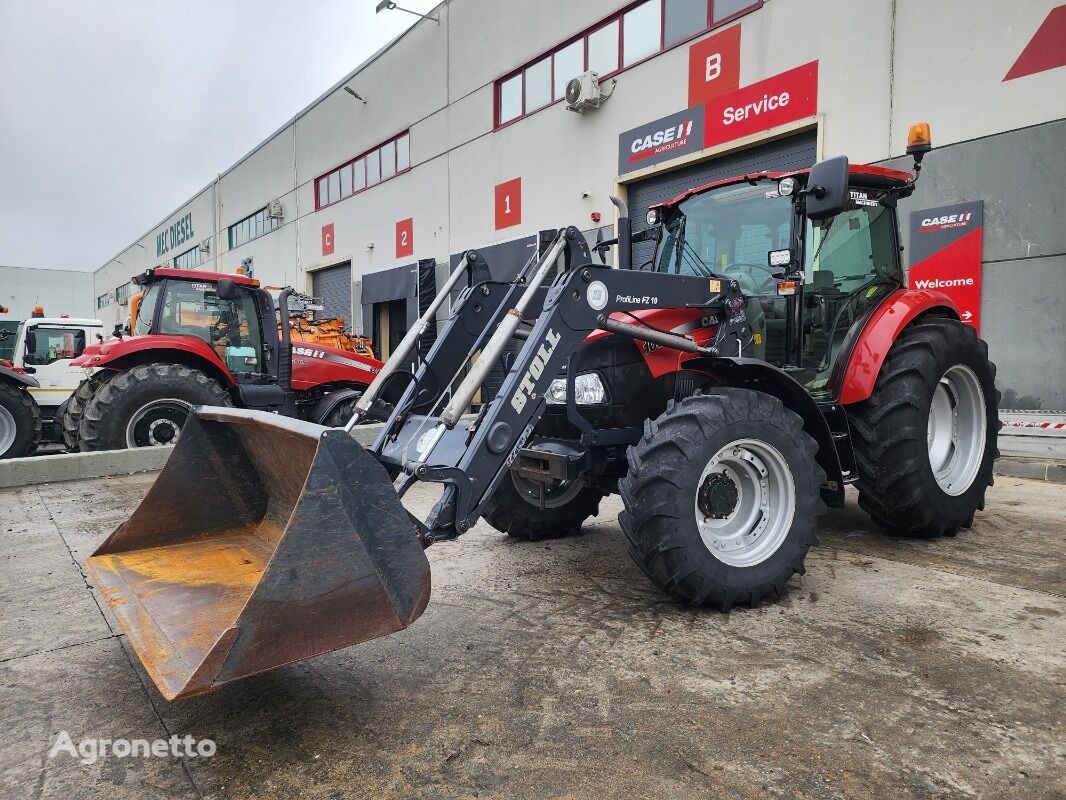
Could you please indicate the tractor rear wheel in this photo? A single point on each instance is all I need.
(338, 417)
(76, 407)
(514, 508)
(925, 440)
(20, 422)
(721, 498)
(146, 406)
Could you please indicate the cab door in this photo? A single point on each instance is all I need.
(48, 350)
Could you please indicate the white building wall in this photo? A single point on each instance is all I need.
(937, 62)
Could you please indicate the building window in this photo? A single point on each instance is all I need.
(634, 33)
(190, 259)
(251, 227)
(122, 293)
(368, 169)
(103, 300)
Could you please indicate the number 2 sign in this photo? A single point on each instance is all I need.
(405, 237)
(714, 66)
(509, 203)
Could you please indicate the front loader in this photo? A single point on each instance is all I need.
(724, 389)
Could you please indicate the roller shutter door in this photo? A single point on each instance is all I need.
(795, 152)
(334, 286)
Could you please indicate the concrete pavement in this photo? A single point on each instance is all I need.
(894, 668)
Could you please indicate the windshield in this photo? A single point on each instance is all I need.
(143, 324)
(231, 327)
(728, 231)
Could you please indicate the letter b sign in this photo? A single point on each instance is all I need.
(714, 66)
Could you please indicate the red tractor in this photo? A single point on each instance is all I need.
(202, 338)
(768, 354)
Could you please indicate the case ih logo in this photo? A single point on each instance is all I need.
(307, 351)
(661, 140)
(947, 221)
(945, 255)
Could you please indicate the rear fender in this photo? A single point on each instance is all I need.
(17, 376)
(330, 402)
(751, 373)
(899, 309)
(134, 351)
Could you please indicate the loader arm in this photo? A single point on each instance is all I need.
(471, 458)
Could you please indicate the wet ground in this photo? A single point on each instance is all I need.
(893, 669)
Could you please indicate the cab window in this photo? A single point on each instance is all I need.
(728, 231)
(231, 327)
(142, 326)
(48, 345)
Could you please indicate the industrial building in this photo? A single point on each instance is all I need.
(459, 134)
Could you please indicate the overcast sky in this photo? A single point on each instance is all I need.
(114, 112)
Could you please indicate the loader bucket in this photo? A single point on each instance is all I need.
(264, 540)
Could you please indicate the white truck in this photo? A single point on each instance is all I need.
(44, 348)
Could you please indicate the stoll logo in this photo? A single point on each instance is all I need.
(526, 388)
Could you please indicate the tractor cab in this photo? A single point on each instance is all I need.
(231, 314)
(807, 279)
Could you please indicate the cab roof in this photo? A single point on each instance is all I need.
(193, 275)
(869, 175)
(84, 322)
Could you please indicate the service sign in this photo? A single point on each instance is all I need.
(662, 140)
(945, 255)
(775, 101)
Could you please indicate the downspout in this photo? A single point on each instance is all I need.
(296, 194)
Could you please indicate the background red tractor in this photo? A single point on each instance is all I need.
(201, 338)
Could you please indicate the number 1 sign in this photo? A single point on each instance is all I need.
(509, 203)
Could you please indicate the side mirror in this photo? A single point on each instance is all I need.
(827, 188)
(31, 341)
(226, 289)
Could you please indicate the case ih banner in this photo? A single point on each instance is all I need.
(946, 255)
(661, 140)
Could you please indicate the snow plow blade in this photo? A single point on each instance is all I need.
(265, 540)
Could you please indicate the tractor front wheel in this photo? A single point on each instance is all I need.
(76, 407)
(146, 406)
(721, 498)
(20, 422)
(925, 440)
(514, 508)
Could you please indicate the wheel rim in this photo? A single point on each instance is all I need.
(157, 423)
(557, 494)
(8, 430)
(956, 430)
(764, 493)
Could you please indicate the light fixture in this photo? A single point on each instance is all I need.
(786, 186)
(355, 94)
(653, 216)
(388, 5)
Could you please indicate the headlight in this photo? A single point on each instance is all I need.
(588, 390)
(786, 186)
(653, 216)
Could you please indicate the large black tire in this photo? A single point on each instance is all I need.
(518, 514)
(119, 400)
(896, 482)
(19, 409)
(76, 407)
(338, 417)
(660, 495)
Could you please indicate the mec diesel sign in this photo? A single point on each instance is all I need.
(177, 234)
(661, 140)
